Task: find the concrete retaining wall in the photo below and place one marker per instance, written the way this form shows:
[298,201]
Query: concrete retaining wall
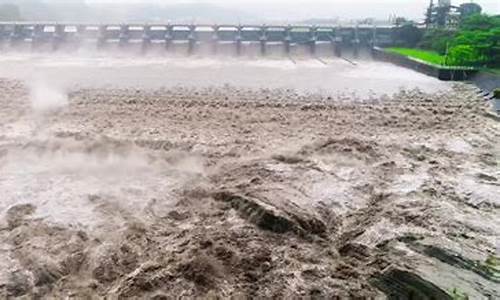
[442,73]
[486,81]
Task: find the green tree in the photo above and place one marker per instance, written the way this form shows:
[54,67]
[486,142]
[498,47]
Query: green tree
[482,33]
[494,51]
[480,22]
[464,55]
[437,40]
[9,12]
[408,34]
[400,21]
[475,43]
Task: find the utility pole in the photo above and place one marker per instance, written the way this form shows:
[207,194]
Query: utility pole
[428,15]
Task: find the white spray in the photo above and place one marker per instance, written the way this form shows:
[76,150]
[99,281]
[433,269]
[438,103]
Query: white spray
[46,97]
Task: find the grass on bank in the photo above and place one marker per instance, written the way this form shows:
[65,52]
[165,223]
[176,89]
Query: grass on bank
[425,55]
[492,71]
[432,57]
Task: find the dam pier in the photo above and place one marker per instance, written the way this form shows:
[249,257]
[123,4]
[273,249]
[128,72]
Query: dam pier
[56,35]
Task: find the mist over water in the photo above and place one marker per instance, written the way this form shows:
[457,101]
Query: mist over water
[158,70]
[46,96]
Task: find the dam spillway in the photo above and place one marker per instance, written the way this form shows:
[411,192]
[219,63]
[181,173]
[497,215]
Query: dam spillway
[55,35]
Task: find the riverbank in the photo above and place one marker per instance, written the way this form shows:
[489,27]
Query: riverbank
[445,73]
[486,81]
[427,56]
[433,57]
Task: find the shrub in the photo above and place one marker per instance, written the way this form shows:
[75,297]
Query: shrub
[409,35]
[437,40]
[496,93]
[464,55]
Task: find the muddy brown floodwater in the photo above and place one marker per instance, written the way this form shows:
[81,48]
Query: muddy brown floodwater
[303,74]
[219,191]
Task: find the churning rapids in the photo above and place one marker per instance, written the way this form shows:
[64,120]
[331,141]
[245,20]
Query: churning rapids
[175,177]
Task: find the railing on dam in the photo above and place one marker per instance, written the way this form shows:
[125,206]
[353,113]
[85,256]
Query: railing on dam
[57,34]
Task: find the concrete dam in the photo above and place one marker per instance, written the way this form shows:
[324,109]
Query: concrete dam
[55,35]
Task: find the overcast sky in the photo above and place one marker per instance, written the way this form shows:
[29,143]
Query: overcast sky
[345,9]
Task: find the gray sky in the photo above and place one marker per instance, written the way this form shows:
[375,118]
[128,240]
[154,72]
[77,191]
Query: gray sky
[345,9]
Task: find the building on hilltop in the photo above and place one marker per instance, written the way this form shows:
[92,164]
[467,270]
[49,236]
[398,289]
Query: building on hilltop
[444,14]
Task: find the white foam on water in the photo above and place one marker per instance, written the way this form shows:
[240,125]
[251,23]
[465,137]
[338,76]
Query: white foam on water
[61,183]
[332,75]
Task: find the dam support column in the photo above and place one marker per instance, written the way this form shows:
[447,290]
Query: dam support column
[356,42]
[124,36]
[239,40]
[2,33]
[80,35]
[312,41]
[169,37]
[146,39]
[37,36]
[215,39]
[338,42]
[102,36]
[58,37]
[16,35]
[263,40]
[288,40]
[191,39]
[374,41]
